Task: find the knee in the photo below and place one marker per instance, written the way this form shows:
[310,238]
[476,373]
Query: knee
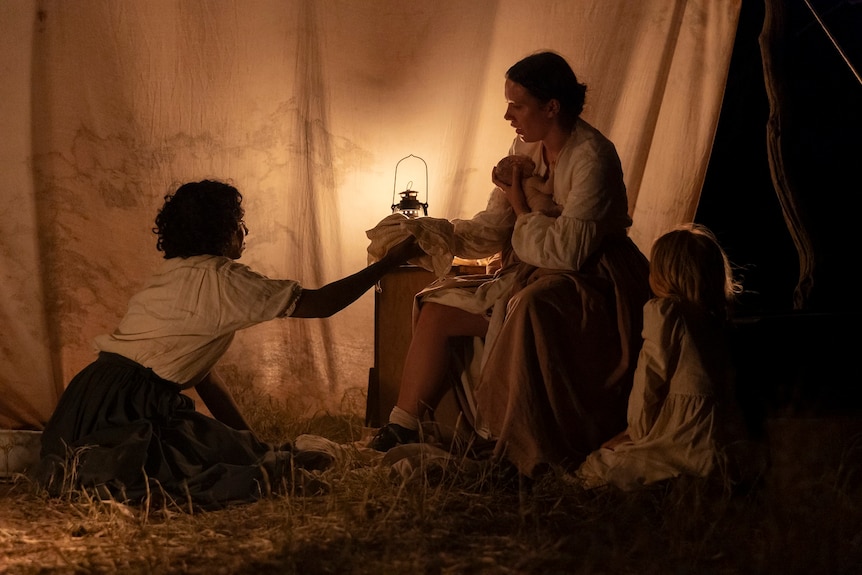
[446,321]
[434,317]
[538,295]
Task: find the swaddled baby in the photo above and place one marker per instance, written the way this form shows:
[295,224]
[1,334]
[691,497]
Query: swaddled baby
[540,196]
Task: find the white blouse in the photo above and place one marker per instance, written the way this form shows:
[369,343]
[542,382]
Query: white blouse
[184,319]
[588,183]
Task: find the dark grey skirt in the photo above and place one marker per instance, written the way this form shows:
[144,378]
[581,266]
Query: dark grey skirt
[121,428]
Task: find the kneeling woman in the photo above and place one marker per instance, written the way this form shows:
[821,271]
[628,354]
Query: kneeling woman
[123,426]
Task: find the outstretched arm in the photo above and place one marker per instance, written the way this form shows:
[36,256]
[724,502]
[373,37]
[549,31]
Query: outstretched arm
[219,401]
[336,296]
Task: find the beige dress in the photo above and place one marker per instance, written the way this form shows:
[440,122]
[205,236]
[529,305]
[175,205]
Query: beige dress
[551,379]
[681,412]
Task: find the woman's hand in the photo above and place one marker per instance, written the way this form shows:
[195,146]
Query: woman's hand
[406,249]
[515,192]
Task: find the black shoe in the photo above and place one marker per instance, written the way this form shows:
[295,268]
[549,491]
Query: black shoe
[391,435]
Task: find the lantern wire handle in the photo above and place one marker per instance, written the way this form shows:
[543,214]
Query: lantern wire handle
[395,183]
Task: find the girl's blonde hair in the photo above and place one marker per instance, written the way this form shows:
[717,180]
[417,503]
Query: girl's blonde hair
[688,262]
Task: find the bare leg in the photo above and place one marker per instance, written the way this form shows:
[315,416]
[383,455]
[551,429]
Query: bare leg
[427,361]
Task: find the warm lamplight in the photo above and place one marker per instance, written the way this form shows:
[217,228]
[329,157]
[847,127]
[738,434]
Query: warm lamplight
[410,204]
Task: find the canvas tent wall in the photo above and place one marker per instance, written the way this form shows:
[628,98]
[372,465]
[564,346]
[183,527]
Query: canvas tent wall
[306,105]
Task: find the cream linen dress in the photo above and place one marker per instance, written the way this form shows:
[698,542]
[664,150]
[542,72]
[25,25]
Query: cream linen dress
[551,378]
[681,411]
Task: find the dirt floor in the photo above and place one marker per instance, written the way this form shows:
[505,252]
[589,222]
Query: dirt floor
[804,516]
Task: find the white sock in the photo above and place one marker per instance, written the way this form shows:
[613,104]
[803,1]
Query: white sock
[404,419]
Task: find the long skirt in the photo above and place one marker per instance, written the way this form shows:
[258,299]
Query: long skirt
[120,428]
[556,379]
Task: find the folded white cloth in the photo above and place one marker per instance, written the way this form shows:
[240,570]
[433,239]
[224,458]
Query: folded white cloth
[307,443]
[434,235]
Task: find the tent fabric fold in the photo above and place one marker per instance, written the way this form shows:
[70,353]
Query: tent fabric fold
[306,107]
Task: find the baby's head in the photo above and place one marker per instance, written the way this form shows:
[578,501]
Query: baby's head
[538,192]
[505,168]
[688,262]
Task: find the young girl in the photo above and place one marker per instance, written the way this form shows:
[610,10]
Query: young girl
[681,411]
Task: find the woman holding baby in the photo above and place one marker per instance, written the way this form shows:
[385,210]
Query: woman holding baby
[561,320]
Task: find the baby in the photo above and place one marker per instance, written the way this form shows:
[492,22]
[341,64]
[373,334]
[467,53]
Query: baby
[540,196]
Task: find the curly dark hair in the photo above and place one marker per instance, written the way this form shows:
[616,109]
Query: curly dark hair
[547,76]
[199,218]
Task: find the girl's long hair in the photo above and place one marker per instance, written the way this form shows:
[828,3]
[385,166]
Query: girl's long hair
[689,263]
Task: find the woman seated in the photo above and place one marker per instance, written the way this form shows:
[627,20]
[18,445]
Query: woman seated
[561,319]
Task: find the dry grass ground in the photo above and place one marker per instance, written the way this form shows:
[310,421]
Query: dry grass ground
[804,516]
